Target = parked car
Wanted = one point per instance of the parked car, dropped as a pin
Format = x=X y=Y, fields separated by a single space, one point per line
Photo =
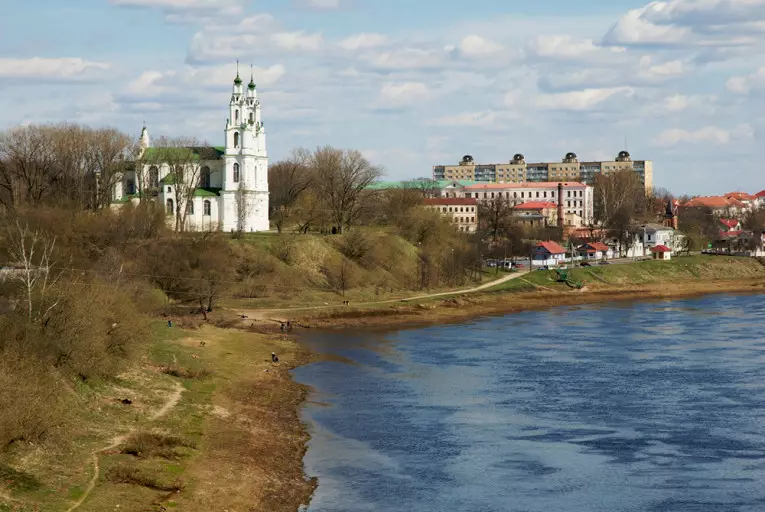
x=518 y=265
x=584 y=264
x=604 y=262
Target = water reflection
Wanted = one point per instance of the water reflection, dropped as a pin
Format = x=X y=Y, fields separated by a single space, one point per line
x=649 y=406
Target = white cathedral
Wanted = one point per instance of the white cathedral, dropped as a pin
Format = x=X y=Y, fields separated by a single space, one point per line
x=229 y=177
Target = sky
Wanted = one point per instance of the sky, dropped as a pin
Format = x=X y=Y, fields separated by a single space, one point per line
x=412 y=83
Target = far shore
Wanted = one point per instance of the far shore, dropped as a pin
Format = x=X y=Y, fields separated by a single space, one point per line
x=461 y=308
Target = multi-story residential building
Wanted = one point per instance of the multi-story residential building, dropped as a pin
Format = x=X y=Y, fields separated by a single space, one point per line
x=462 y=211
x=577 y=197
x=568 y=169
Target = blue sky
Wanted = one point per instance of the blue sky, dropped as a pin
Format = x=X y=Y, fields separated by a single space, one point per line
x=412 y=83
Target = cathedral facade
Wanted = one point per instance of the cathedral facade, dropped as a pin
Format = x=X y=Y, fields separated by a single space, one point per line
x=213 y=188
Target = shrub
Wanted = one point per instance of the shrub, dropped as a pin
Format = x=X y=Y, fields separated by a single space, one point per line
x=147 y=444
x=134 y=476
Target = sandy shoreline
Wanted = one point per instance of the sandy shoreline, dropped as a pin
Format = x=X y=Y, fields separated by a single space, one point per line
x=460 y=309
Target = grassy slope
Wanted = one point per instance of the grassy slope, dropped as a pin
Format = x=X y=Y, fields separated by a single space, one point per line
x=683 y=276
x=389 y=271
x=680 y=269
x=244 y=441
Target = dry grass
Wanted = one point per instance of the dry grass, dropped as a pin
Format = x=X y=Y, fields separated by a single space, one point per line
x=148 y=444
x=134 y=476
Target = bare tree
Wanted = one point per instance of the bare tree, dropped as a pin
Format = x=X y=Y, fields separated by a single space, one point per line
x=495 y=215
x=29 y=164
x=110 y=150
x=243 y=207
x=32 y=252
x=340 y=179
x=618 y=196
x=288 y=180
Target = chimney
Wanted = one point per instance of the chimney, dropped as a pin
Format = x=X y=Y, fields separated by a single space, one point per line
x=560 y=207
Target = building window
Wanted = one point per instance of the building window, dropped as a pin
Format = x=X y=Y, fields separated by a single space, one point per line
x=204 y=179
x=252 y=118
x=153 y=177
x=236 y=139
x=472 y=219
x=207 y=208
x=236 y=115
x=169 y=189
x=236 y=173
x=537 y=194
x=130 y=187
x=190 y=208
x=169 y=207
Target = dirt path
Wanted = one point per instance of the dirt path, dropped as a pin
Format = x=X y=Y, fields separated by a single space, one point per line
x=272 y=314
x=171 y=402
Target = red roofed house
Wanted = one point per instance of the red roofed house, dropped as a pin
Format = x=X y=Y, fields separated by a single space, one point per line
x=730 y=227
x=760 y=201
x=661 y=252
x=748 y=200
x=595 y=251
x=539 y=213
x=548 y=253
x=718 y=204
x=462 y=211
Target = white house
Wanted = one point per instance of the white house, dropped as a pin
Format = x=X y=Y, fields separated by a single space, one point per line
x=548 y=253
x=229 y=183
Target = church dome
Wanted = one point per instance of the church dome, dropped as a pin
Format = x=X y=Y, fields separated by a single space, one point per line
x=467 y=159
x=519 y=158
x=570 y=156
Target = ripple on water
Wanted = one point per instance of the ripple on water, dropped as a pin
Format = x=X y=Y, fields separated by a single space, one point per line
x=632 y=407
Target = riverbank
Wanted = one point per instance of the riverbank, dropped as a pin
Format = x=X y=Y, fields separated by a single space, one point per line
x=205 y=422
x=682 y=277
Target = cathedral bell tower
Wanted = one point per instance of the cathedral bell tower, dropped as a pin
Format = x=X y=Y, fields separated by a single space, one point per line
x=245 y=178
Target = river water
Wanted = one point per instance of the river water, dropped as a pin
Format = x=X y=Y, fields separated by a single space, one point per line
x=652 y=406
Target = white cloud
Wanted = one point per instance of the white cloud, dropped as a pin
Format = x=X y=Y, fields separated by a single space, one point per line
x=176 y=4
x=189 y=11
x=406 y=58
x=747 y=83
x=561 y=46
x=664 y=69
x=151 y=84
x=705 y=135
x=402 y=94
x=363 y=41
x=684 y=22
x=581 y=100
x=477 y=46
x=39 y=67
x=483 y=118
x=297 y=41
x=255 y=35
x=323 y=4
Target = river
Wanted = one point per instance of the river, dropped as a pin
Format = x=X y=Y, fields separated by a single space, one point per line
x=635 y=406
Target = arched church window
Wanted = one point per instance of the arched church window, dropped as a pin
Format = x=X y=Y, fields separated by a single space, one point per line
x=252 y=118
x=153 y=177
x=204 y=178
x=169 y=207
x=130 y=187
x=236 y=115
x=207 y=207
x=236 y=173
x=236 y=139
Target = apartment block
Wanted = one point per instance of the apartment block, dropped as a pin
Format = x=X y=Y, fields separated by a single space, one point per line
x=519 y=171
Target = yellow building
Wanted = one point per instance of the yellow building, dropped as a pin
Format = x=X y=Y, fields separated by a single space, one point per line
x=568 y=169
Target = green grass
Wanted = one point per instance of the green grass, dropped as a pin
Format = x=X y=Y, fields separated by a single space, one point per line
x=681 y=268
